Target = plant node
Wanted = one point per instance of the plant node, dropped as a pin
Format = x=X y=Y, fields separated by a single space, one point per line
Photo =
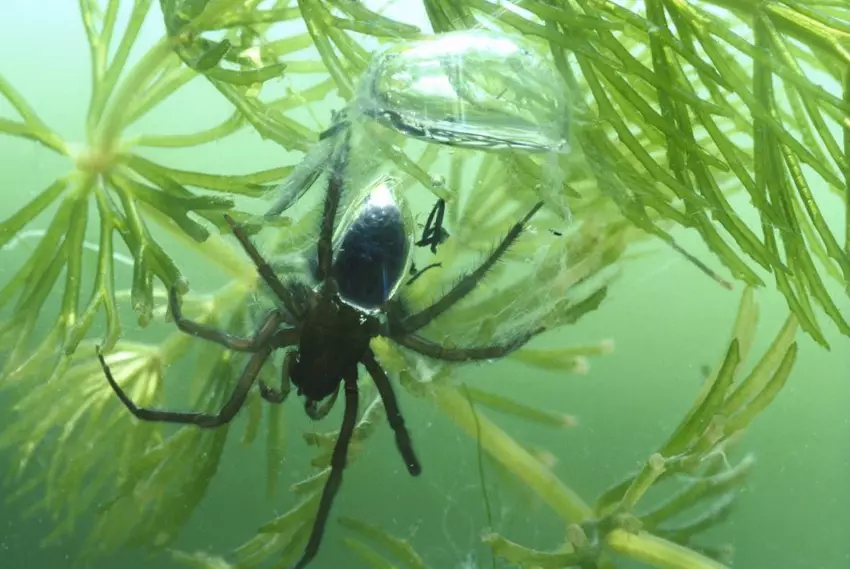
x=95 y=161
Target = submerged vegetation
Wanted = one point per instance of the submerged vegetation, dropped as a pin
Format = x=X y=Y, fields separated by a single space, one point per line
x=712 y=116
x=621 y=521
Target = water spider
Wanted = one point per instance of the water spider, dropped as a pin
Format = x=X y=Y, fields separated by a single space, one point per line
x=326 y=329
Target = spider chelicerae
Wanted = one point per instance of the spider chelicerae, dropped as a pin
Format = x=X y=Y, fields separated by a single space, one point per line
x=328 y=328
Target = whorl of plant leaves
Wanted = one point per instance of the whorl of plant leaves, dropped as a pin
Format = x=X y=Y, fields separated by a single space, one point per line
x=702 y=106
x=704 y=103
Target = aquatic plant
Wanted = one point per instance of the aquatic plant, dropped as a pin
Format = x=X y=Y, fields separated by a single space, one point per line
x=621 y=521
x=682 y=108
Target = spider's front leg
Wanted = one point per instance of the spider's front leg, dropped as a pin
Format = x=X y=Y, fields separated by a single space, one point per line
x=203 y=420
x=402 y=325
x=237 y=343
x=265 y=270
x=280 y=339
x=434 y=350
x=333 y=196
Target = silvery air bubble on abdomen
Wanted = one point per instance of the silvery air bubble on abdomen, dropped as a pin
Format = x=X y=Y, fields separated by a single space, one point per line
x=373 y=244
x=473 y=89
x=373 y=251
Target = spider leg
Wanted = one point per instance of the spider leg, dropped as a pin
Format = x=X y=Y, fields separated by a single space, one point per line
x=273 y=395
x=419 y=273
x=324 y=247
x=338 y=461
x=385 y=389
x=464 y=286
x=434 y=350
x=203 y=420
x=265 y=270
x=318 y=410
x=237 y=343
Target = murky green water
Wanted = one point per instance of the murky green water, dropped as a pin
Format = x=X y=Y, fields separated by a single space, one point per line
x=665 y=318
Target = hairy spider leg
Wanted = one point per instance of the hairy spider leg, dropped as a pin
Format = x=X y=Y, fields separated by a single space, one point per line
x=434 y=350
x=338 y=461
x=333 y=196
x=238 y=343
x=385 y=390
x=463 y=287
x=336 y=126
x=203 y=420
x=278 y=396
x=265 y=270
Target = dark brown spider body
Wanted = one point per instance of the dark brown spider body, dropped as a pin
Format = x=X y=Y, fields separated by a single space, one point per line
x=370 y=259
x=326 y=332
x=334 y=338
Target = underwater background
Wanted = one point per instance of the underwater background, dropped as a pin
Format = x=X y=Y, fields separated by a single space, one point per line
x=665 y=320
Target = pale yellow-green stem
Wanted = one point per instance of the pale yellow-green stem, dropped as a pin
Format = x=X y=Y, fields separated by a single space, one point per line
x=658 y=552
x=557 y=495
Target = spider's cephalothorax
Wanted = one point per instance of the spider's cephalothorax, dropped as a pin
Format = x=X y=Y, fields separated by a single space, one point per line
x=326 y=331
x=334 y=338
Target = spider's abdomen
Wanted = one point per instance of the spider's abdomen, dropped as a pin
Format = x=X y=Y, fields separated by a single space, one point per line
x=373 y=252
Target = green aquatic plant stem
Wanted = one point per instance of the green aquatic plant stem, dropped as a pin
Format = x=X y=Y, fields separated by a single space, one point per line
x=98 y=48
x=311 y=13
x=557 y=495
x=105 y=74
x=119 y=107
x=102 y=292
x=658 y=552
x=79 y=197
x=399 y=548
x=172 y=78
x=32 y=126
x=480 y=463
x=624 y=100
x=225 y=128
x=647 y=476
